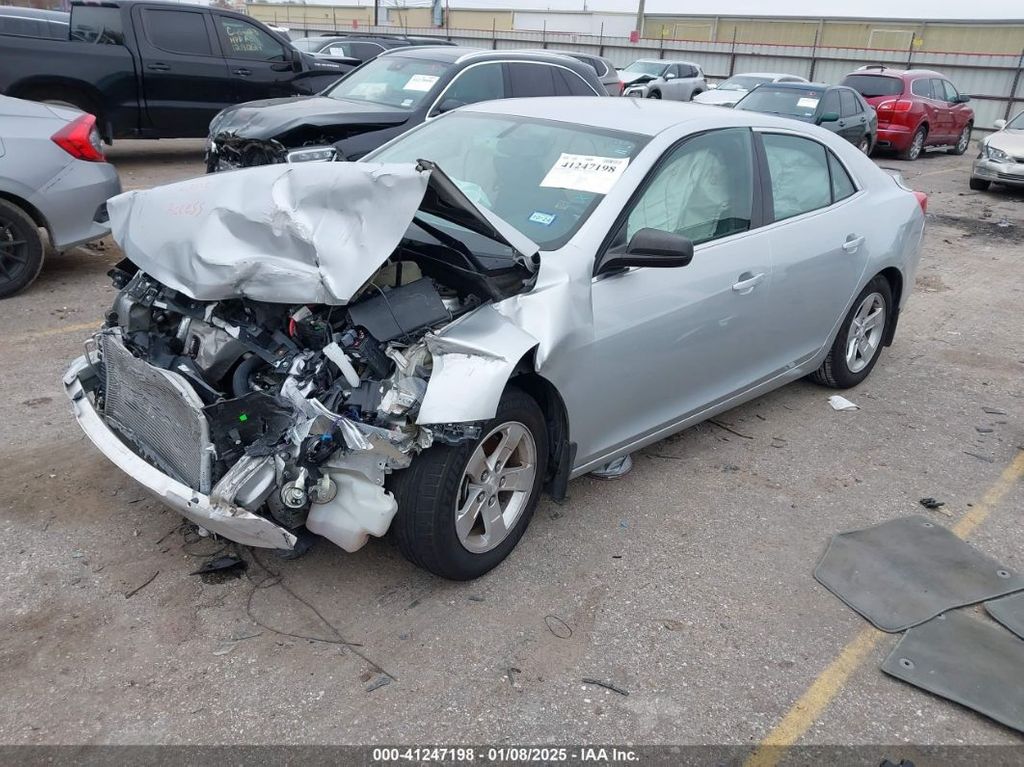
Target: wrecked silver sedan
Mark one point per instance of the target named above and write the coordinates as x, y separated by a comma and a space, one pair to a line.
422, 345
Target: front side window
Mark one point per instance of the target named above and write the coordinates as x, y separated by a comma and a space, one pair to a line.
848, 103
799, 174
247, 41
544, 178
394, 81
703, 190
96, 24
830, 103
177, 31
484, 82
950, 92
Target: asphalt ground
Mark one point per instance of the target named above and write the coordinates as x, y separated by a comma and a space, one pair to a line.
687, 584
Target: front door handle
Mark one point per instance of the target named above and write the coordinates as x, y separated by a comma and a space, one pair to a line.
241, 72
159, 67
748, 281
852, 243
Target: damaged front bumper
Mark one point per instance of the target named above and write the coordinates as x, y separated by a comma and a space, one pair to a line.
227, 519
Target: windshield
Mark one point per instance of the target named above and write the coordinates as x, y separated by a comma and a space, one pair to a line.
544, 178
646, 67
1017, 123
791, 102
743, 83
393, 81
871, 86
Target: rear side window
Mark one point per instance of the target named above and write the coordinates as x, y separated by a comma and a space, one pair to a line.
177, 31
848, 102
528, 79
842, 184
923, 88
568, 83
870, 86
800, 177
96, 24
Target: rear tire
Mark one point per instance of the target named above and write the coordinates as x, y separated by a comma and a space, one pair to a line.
848, 361
654, 95
865, 143
963, 141
913, 151
443, 480
21, 249
980, 184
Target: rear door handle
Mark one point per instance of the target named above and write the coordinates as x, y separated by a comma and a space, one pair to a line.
158, 67
242, 72
748, 281
852, 243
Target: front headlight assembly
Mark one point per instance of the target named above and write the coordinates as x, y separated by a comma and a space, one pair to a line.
996, 155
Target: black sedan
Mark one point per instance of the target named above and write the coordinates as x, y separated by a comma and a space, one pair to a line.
383, 98
839, 109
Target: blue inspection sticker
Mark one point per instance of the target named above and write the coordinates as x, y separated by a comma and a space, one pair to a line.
542, 218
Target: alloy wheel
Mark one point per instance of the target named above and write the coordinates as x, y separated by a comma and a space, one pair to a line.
495, 487
964, 140
13, 252
917, 145
864, 336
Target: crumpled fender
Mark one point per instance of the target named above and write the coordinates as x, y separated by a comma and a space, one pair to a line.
473, 358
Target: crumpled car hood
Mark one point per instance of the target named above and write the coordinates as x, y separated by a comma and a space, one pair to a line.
269, 118
303, 233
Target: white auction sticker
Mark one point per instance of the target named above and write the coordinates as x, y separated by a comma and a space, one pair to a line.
420, 83
807, 102
585, 173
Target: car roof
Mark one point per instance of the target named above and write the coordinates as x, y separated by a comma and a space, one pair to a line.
901, 73
762, 74
667, 61
460, 54
804, 86
646, 117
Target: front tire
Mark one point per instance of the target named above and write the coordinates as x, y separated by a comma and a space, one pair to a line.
654, 95
859, 341
462, 509
980, 184
21, 249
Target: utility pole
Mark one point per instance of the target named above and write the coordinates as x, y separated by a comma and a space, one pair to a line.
640, 19
376, 12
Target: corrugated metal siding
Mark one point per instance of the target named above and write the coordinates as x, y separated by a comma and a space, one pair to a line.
987, 78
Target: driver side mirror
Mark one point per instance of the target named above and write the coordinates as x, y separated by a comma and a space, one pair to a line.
999, 124
669, 76
649, 247
448, 105
962, 98
827, 117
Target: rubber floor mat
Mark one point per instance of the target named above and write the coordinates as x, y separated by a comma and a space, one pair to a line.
969, 661
901, 573
1009, 611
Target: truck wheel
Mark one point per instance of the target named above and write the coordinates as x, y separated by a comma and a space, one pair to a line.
462, 509
21, 249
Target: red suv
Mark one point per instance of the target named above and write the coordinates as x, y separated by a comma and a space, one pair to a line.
916, 108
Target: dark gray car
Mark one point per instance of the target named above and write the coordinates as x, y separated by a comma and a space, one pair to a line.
839, 109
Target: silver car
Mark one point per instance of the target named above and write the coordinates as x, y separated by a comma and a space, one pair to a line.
425, 345
53, 177
1001, 156
736, 87
663, 79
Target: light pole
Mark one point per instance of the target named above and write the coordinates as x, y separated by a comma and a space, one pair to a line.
640, 19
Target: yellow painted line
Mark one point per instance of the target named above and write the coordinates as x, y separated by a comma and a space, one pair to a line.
823, 690
50, 332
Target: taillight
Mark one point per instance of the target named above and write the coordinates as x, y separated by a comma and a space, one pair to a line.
903, 105
622, 87
80, 139
922, 200
885, 106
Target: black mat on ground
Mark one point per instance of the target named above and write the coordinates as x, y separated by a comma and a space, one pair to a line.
969, 661
901, 573
1009, 611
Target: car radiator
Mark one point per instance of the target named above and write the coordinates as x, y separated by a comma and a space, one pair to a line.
157, 412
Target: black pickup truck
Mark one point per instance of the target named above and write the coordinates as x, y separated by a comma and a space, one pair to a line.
156, 69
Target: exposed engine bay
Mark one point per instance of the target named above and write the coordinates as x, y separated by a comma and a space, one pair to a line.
257, 418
